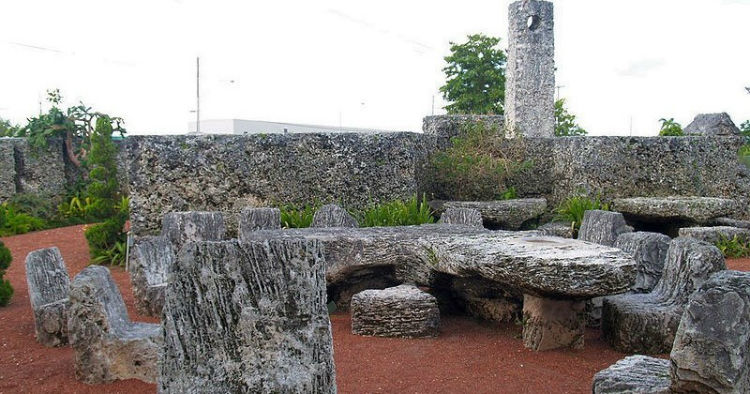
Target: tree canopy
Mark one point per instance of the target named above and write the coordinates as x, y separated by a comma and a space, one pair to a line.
475, 77
565, 122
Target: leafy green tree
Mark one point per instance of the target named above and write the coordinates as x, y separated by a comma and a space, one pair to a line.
8, 129
670, 128
475, 77
745, 128
565, 122
74, 125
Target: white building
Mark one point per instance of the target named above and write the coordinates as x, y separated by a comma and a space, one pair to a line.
242, 126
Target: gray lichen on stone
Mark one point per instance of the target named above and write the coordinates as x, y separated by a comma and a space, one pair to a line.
48, 284
248, 317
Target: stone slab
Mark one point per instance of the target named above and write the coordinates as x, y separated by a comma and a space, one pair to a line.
602, 227
183, 227
332, 215
715, 234
634, 375
150, 257
254, 219
690, 209
505, 214
48, 284
462, 217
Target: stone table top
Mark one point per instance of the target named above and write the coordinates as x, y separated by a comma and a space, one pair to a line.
527, 261
694, 209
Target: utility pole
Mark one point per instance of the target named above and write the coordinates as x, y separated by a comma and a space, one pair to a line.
198, 95
558, 87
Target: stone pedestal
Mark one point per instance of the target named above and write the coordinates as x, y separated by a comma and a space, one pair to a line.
551, 324
402, 312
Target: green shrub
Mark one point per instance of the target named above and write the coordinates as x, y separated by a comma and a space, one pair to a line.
6, 290
670, 128
413, 211
733, 248
477, 165
293, 216
33, 205
573, 209
13, 223
744, 155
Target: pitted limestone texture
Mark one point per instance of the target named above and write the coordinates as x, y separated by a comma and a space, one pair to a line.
248, 317
647, 322
530, 74
107, 345
401, 312
49, 284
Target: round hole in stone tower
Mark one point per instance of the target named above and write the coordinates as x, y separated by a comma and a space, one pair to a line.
533, 22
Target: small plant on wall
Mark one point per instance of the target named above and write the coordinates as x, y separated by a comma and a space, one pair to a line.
572, 209
478, 165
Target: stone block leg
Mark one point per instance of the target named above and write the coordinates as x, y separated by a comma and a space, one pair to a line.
551, 324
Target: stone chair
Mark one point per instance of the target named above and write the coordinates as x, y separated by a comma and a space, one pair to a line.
151, 256
646, 323
332, 215
711, 352
254, 219
107, 345
49, 285
649, 251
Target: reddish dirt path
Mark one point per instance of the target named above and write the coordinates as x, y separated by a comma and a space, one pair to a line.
467, 357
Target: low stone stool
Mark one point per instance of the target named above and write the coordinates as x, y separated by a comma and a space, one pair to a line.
711, 351
332, 215
183, 227
49, 285
248, 317
462, 217
649, 250
647, 323
402, 312
254, 219
148, 273
634, 374
107, 345
602, 227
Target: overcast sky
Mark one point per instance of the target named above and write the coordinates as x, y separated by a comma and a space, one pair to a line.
374, 64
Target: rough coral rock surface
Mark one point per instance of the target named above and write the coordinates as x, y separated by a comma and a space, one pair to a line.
107, 345
150, 258
332, 215
551, 324
254, 219
634, 375
402, 312
183, 227
716, 234
462, 216
248, 317
649, 251
505, 214
711, 351
48, 284
647, 323
602, 227
691, 209
711, 125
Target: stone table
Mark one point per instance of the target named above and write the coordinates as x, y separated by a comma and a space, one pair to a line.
555, 275
685, 209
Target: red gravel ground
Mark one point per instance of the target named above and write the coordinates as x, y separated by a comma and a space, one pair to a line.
467, 357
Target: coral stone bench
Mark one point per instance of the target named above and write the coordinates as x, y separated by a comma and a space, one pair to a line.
107, 345
49, 285
504, 214
711, 352
646, 323
544, 269
402, 312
